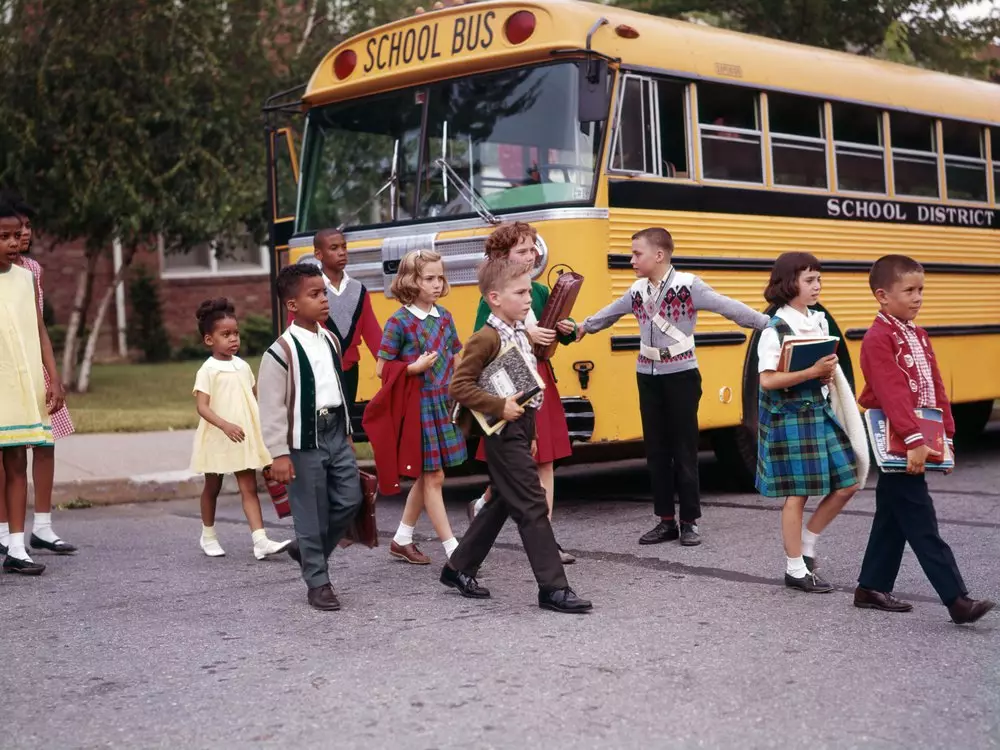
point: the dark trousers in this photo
(324, 496)
(668, 405)
(904, 512)
(518, 493)
(349, 382)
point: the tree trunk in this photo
(83, 379)
(81, 301)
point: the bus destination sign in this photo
(419, 44)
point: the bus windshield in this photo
(513, 135)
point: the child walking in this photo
(306, 424)
(901, 374)
(422, 335)
(228, 439)
(506, 286)
(25, 353)
(516, 241)
(666, 302)
(802, 449)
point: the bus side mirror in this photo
(594, 100)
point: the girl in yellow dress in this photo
(26, 401)
(228, 439)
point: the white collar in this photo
(336, 290)
(233, 365)
(799, 322)
(421, 314)
(304, 334)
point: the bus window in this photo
(859, 149)
(730, 133)
(914, 155)
(798, 140)
(965, 160)
(995, 145)
(671, 100)
(634, 145)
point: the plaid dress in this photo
(801, 448)
(405, 338)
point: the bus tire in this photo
(736, 449)
(971, 418)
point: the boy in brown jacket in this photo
(517, 491)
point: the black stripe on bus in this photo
(631, 343)
(620, 261)
(856, 334)
(671, 196)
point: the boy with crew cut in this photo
(306, 426)
(665, 303)
(901, 374)
(517, 490)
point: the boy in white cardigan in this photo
(306, 426)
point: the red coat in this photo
(888, 365)
(392, 423)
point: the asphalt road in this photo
(141, 641)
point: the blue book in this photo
(802, 352)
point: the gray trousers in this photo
(324, 496)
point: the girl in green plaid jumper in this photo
(802, 449)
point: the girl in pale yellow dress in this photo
(26, 402)
(228, 439)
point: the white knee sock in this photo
(42, 528)
(15, 548)
(5, 534)
(404, 535)
(809, 543)
(450, 545)
(796, 567)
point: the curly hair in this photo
(211, 311)
(290, 279)
(404, 286)
(783, 286)
(504, 237)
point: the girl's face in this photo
(25, 234)
(430, 282)
(524, 251)
(810, 284)
(10, 241)
(224, 340)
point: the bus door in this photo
(282, 191)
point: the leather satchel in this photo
(364, 529)
(559, 307)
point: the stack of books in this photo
(507, 375)
(802, 352)
(890, 450)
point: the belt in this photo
(327, 411)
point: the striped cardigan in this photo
(286, 389)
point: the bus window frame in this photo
(704, 128)
(951, 159)
(825, 140)
(914, 154)
(885, 149)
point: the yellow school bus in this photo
(592, 122)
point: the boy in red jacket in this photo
(901, 374)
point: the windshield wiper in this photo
(392, 185)
(468, 193)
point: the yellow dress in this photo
(229, 385)
(24, 418)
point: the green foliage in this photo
(191, 348)
(256, 335)
(146, 329)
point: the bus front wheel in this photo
(971, 418)
(736, 449)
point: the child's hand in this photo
(234, 432)
(580, 333)
(566, 327)
(541, 336)
(916, 458)
(823, 369)
(512, 411)
(534, 448)
(423, 363)
(950, 452)
(282, 470)
(55, 397)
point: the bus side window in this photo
(671, 99)
(859, 148)
(729, 118)
(965, 160)
(914, 155)
(995, 145)
(798, 140)
(634, 143)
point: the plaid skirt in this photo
(801, 448)
(443, 442)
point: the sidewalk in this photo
(116, 468)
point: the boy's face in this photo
(10, 241)
(513, 301)
(332, 253)
(524, 251)
(647, 259)
(310, 303)
(904, 297)
(25, 234)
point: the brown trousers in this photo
(517, 493)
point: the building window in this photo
(242, 258)
(798, 141)
(729, 119)
(914, 155)
(965, 161)
(859, 148)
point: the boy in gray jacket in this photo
(306, 425)
(666, 302)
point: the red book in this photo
(934, 437)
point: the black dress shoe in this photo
(58, 546)
(883, 600)
(810, 563)
(810, 583)
(294, 552)
(664, 531)
(22, 567)
(467, 585)
(966, 611)
(689, 535)
(322, 597)
(563, 600)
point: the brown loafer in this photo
(323, 598)
(409, 553)
(883, 600)
(966, 611)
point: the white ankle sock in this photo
(809, 543)
(480, 503)
(450, 545)
(404, 535)
(42, 528)
(5, 534)
(208, 532)
(796, 567)
(259, 536)
(15, 547)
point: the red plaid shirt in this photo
(923, 386)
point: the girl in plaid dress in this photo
(423, 334)
(802, 449)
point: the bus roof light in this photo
(519, 27)
(626, 32)
(344, 64)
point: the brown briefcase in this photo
(364, 529)
(559, 307)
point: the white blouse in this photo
(768, 348)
